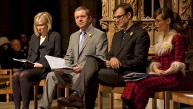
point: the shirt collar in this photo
(128, 29)
(87, 29)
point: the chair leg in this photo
(10, 97)
(100, 104)
(174, 105)
(7, 97)
(123, 105)
(111, 101)
(167, 100)
(66, 94)
(154, 103)
(58, 95)
(35, 97)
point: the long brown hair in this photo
(176, 22)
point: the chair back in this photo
(5, 76)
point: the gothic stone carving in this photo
(185, 9)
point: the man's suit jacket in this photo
(95, 44)
(133, 52)
(52, 47)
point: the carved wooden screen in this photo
(143, 12)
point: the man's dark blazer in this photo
(133, 52)
(52, 45)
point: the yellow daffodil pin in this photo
(131, 33)
(168, 46)
(89, 35)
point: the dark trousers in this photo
(93, 73)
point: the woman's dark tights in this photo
(21, 89)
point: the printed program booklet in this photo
(134, 76)
(27, 64)
(57, 64)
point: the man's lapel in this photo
(76, 42)
(88, 36)
(127, 38)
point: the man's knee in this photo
(50, 75)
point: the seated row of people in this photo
(128, 53)
(8, 51)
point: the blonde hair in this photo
(44, 17)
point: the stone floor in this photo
(117, 105)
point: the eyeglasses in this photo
(119, 17)
(158, 21)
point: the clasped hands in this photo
(160, 72)
(114, 63)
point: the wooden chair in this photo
(186, 88)
(164, 95)
(6, 76)
(67, 86)
(41, 83)
(35, 85)
(179, 97)
(110, 90)
(187, 85)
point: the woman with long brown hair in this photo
(169, 64)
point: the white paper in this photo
(57, 63)
(20, 60)
(189, 95)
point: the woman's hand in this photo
(38, 65)
(152, 73)
(164, 73)
(161, 72)
(158, 71)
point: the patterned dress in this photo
(168, 53)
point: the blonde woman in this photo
(43, 42)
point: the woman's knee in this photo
(24, 74)
(16, 75)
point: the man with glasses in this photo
(128, 54)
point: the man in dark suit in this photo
(128, 54)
